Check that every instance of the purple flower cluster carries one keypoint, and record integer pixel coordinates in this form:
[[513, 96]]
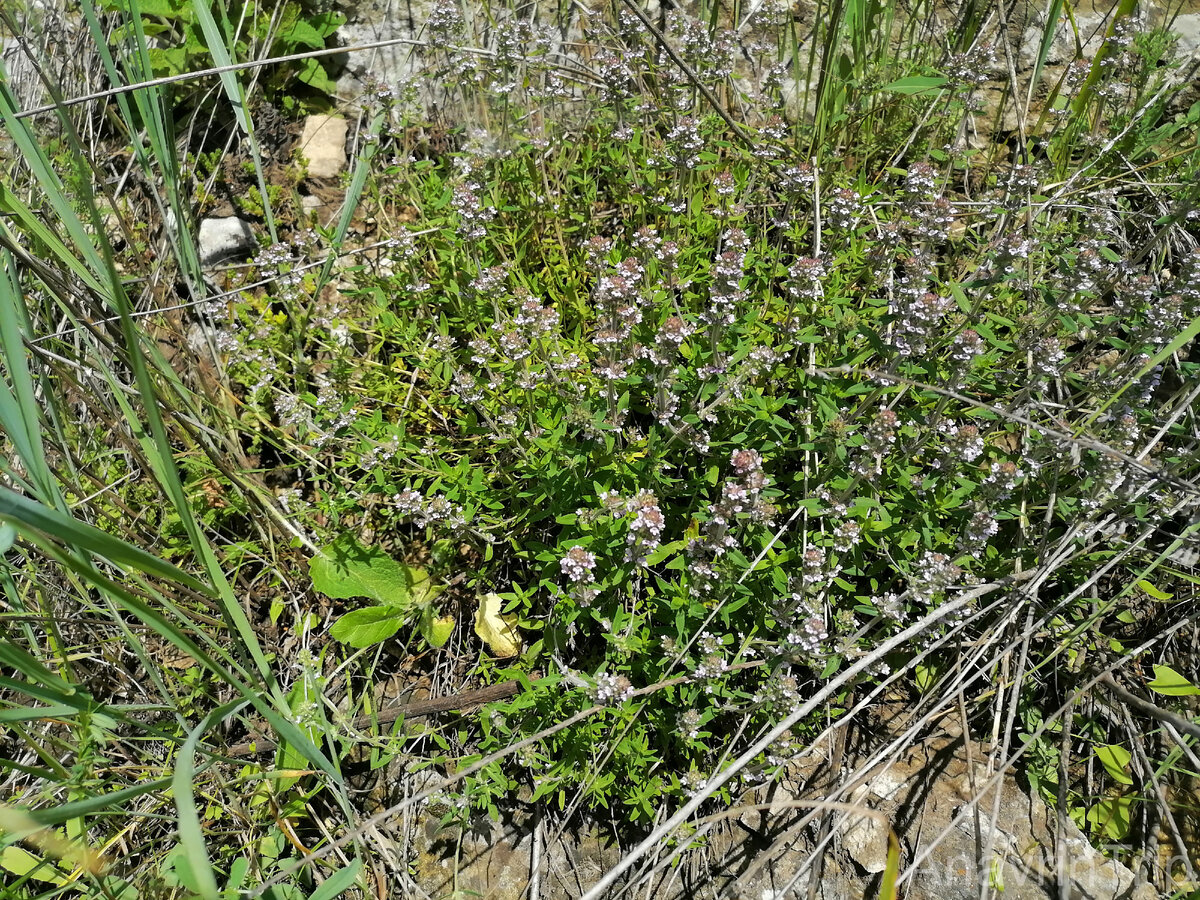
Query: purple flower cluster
[[645, 528], [972, 68], [684, 143], [578, 564], [806, 277], [741, 500], [725, 291], [931, 575], [843, 209], [1000, 480], [712, 664], [918, 319], [960, 444], [688, 724], [809, 631]]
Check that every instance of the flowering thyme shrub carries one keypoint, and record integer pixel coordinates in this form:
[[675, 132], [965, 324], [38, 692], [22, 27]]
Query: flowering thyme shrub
[[705, 409]]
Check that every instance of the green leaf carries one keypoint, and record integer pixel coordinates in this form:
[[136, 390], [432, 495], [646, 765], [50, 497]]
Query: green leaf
[[327, 23], [19, 862], [168, 62], [1153, 591], [337, 883], [346, 569], [1111, 817], [25, 514], [314, 75], [301, 34], [148, 8], [917, 84], [1115, 760], [1170, 683], [421, 587], [435, 630], [364, 627], [664, 551]]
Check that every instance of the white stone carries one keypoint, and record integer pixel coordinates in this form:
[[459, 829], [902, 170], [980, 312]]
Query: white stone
[[865, 838], [323, 144], [1092, 28], [222, 239], [1187, 26]]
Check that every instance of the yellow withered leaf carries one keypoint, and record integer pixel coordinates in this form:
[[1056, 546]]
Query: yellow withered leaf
[[498, 631], [18, 861]]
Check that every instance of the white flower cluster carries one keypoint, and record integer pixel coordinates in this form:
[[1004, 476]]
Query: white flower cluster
[[578, 564], [612, 688], [436, 510], [810, 632]]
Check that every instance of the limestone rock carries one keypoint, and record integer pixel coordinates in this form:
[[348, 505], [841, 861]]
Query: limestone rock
[[955, 804], [223, 239], [1091, 26], [1000, 113], [323, 144], [865, 838], [1187, 26]]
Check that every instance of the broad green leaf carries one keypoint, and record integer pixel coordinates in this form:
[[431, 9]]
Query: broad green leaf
[[303, 34], [169, 61], [498, 631], [1115, 760], [917, 84], [327, 23], [1111, 817], [364, 627], [422, 587], [238, 869], [20, 862], [663, 551], [162, 8], [1170, 683], [347, 569], [314, 75], [925, 676]]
